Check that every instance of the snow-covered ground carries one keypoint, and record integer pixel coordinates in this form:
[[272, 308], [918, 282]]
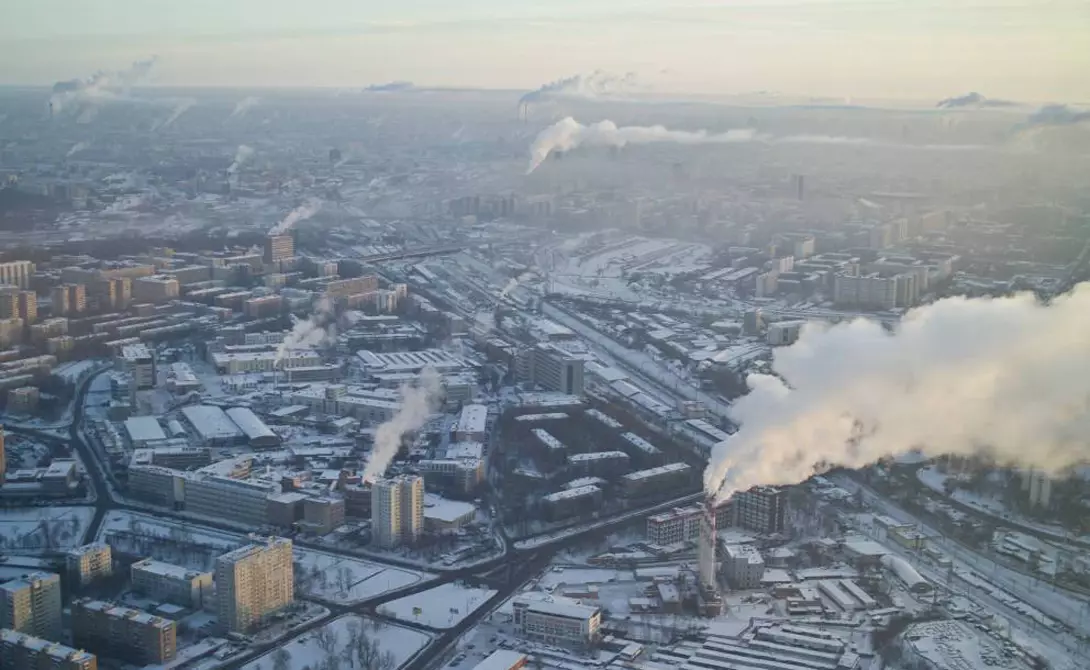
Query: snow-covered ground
[[323, 576], [307, 649], [442, 607], [347, 580], [35, 530]]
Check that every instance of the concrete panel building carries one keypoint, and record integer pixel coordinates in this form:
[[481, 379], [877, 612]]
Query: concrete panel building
[[172, 583], [253, 582], [26, 652], [123, 632], [32, 605], [397, 510], [90, 562]]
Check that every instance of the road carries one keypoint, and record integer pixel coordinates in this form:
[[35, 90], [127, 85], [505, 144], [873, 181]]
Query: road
[[518, 565], [637, 363]]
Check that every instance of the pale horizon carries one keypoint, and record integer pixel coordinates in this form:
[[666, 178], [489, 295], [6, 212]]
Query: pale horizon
[[883, 49]]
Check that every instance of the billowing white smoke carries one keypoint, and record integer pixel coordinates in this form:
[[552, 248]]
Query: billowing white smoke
[[243, 106], [300, 213], [1005, 378], [316, 330], [567, 134], [418, 402], [593, 85], [99, 87], [242, 154], [76, 148]]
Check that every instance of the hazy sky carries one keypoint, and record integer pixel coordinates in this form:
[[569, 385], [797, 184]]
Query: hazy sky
[[1035, 50]]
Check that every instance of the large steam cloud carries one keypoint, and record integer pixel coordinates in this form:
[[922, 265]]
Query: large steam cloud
[[593, 85], [418, 402], [999, 377], [973, 99], [243, 106], [567, 134], [100, 87]]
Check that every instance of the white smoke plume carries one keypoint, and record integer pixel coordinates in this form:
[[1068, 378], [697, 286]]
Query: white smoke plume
[[418, 402], [593, 85], [76, 148], [242, 154], [243, 106], [300, 213], [1001, 377], [316, 330], [567, 134], [180, 108], [99, 87], [514, 282]]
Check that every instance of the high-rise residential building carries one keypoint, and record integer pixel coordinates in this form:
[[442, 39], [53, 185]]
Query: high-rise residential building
[[253, 582], [137, 360], [28, 307], [9, 302], [279, 248], [90, 562], [762, 509], [16, 273], [69, 299], [32, 605], [123, 633], [397, 510], [26, 652]]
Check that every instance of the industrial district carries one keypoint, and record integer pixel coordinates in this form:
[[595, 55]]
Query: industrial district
[[324, 382]]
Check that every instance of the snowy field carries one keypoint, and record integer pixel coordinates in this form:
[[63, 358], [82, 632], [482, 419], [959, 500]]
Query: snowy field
[[335, 640], [39, 529], [442, 607], [347, 580]]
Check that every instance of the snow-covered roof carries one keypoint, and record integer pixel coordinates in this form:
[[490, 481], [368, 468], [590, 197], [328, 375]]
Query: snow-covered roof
[[597, 456], [502, 659], [144, 429], [211, 422], [641, 444], [472, 419], [580, 492], [446, 511], [655, 472], [249, 423]]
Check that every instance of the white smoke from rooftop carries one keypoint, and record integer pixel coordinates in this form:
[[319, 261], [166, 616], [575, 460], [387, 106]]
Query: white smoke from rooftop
[[316, 330], [514, 282], [593, 85], [300, 213], [243, 106], [1004, 378], [76, 148], [242, 154], [568, 134], [418, 402]]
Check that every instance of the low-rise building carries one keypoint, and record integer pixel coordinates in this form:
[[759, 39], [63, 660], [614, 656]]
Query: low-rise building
[[557, 621], [172, 583], [743, 566]]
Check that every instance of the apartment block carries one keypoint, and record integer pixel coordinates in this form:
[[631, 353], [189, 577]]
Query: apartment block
[[90, 562], [397, 510], [138, 360], [762, 509], [155, 289], [16, 273], [32, 605], [26, 652], [253, 582], [123, 633]]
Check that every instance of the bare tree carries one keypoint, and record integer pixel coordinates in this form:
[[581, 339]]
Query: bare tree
[[281, 659]]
